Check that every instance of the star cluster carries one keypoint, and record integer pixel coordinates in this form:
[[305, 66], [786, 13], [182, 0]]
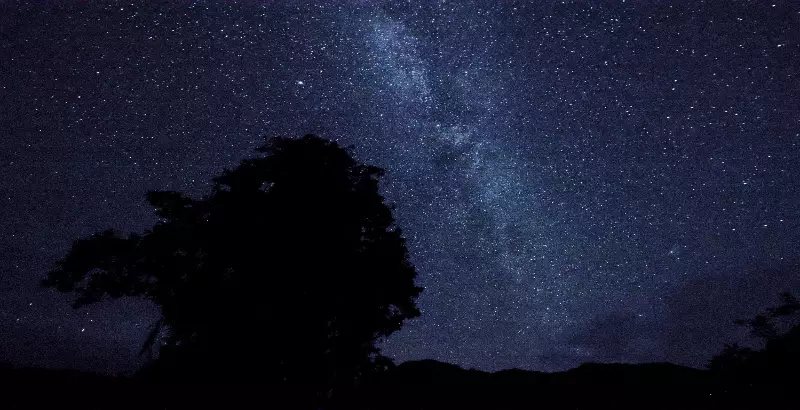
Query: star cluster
[[578, 181]]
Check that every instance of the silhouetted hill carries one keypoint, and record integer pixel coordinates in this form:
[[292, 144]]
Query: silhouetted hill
[[31, 388], [441, 385], [425, 384], [48, 388]]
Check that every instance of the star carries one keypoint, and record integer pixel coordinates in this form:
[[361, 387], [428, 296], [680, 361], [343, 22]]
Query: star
[[541, 156]]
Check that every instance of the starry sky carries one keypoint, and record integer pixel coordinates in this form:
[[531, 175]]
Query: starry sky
[[605, 181]]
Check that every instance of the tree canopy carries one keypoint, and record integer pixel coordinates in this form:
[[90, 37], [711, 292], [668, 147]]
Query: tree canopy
[[289, 270], [775, 366]]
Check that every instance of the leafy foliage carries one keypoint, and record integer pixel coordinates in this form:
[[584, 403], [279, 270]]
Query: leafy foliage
[[771, 371], [764, 325], [732, 359], [290, 270]]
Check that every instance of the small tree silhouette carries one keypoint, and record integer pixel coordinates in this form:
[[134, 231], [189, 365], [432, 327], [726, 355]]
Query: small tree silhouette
[[731, 360], [289, 271], [764, 326], [772, 371]]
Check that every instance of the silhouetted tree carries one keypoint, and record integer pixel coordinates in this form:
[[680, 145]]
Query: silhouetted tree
[[732, 360], [761, 326], [764, 325], [773, 370], [289, 271]]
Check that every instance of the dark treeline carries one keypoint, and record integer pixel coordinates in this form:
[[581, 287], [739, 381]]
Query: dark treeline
[[424, 384], [275, 287]]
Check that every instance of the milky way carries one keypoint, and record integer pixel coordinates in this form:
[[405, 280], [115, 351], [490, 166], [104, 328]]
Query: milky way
[[598, 181]]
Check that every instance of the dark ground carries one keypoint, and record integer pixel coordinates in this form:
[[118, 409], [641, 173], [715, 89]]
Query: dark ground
[[411, 385]]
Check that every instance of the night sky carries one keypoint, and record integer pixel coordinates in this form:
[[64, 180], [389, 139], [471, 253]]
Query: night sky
[[610, 181]]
